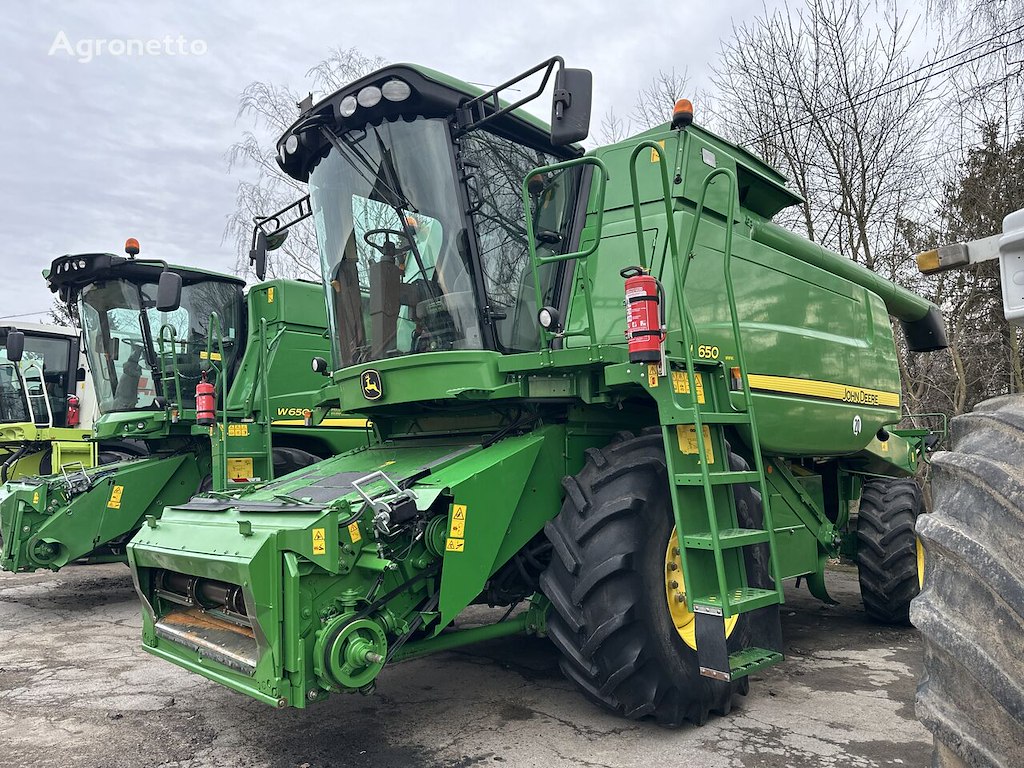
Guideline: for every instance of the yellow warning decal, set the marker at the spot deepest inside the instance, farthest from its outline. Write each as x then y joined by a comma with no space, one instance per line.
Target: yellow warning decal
681,384
457,529
238,430
240,469
211,356
353,532
652,371
35,497
654,152
319,541
114,502
825,389
686,434
270,295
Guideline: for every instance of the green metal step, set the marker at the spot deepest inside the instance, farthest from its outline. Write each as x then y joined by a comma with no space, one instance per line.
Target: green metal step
741,600
742,663
728,538
717,478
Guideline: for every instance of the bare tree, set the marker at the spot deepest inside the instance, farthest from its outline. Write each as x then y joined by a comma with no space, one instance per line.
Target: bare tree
270,109
813,91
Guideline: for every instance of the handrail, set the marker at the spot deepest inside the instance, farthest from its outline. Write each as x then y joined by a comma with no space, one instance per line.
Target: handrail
29,397
742,364
215,329
666,189
531,242
172,339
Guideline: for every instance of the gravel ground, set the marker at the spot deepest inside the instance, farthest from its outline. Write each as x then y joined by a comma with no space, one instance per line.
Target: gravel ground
76,689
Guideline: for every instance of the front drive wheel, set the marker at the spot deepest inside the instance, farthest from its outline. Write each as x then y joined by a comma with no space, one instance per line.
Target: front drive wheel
615,585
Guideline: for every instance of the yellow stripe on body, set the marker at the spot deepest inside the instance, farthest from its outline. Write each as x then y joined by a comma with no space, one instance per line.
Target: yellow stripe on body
824,389
351,423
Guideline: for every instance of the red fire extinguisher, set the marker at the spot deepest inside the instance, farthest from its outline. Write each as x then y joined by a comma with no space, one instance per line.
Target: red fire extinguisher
206,408
645,326
74,411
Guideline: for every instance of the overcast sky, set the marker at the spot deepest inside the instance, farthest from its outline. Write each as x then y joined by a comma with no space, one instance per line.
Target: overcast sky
120,146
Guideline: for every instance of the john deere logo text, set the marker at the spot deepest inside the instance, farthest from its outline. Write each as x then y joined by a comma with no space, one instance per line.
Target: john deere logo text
369,383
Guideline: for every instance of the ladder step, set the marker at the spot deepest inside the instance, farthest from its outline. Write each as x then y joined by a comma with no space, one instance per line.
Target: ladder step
741,600
728,538
718,478
742,663
742,417
685,416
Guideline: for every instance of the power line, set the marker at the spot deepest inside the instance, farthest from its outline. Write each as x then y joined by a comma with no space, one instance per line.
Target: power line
870,95
25,314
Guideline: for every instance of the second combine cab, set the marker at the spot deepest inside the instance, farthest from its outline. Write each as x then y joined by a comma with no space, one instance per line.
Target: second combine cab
153,334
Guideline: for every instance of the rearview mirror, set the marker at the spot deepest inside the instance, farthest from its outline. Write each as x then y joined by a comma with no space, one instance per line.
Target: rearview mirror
258,254
15,346
168,291
570,106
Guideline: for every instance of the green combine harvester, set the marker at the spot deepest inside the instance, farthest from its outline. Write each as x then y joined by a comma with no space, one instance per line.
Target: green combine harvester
607,389
154,335
47,404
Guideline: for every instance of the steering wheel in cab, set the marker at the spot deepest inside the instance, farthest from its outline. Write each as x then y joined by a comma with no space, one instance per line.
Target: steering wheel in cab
389,251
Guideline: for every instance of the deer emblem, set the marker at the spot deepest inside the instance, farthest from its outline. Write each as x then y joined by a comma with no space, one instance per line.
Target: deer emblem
371,385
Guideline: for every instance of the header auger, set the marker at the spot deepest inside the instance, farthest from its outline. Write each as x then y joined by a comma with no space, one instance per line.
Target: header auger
642,502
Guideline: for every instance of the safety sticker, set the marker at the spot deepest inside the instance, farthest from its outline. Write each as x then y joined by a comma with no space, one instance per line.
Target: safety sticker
681,384
654,152
687,437
270,295
457,529
652,375
319,541
240,469
238,430
203,355
114,502
353,532
35,497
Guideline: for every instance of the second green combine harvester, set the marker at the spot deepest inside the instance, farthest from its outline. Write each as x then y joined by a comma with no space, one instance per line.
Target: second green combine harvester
644,498
147,357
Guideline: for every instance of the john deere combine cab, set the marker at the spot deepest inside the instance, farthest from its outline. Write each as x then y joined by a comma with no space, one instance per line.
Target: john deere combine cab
47,404
149,354
608,389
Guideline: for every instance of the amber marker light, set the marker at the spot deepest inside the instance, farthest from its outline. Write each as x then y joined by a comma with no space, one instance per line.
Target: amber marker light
682,113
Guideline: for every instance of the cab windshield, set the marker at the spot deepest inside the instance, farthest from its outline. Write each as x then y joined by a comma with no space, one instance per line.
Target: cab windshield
396,250
134,350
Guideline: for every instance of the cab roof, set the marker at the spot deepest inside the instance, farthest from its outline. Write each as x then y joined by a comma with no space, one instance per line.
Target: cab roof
433,94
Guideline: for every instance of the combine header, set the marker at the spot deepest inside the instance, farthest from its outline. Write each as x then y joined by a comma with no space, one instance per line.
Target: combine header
155,336
606,387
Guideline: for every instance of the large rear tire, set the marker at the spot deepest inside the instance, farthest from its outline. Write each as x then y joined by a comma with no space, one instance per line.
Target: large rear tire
971,609
611,619
887,548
